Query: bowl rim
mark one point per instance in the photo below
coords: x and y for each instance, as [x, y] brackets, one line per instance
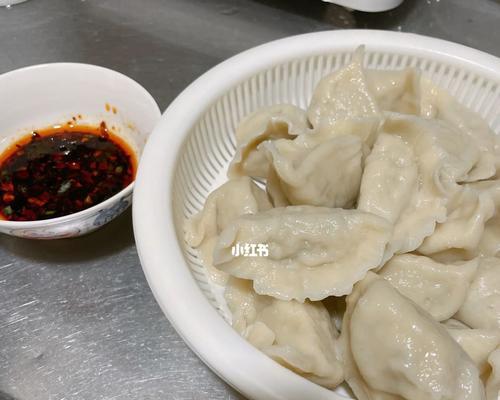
[162, 260]
[105, 203]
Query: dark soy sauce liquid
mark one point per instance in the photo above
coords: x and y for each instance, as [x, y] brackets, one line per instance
[62, 170]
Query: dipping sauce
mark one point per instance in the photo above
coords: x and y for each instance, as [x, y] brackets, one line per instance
[62, 170]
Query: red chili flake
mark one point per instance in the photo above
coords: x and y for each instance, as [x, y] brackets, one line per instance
[37, 202]
[74, 165]
[7, 186]
[8, 197]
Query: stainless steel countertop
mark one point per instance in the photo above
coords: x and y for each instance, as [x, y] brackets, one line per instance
[77, 318]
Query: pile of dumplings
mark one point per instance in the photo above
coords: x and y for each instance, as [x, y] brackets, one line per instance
[379, 205]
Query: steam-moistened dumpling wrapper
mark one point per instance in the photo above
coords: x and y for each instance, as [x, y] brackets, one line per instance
[389, 188]
[299, 336]
[305, 172]
[493, 382]
[394, 350]
[395, 91]
[389, 178]
[477, 343]
[343, 95]
[408, 92]
[472, 227]
[468, 212]
[444, 154]
[440, 289]
[270, 123]
[343, 99]
[410, 175]
[489, 243]
[231, 200]
[438, 104]
[481, 308]
[314, 252]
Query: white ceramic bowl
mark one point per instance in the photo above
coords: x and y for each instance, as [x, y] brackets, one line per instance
[187, 157]
[43, 95]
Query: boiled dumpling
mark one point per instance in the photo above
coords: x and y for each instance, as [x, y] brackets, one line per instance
[408, 92]
[234, 198]
[437, 144]
[270, 123]
[396, 91]
[314, 252]
[391, 164]
[489, 244]
[481, 308]
[342, 100]
[468, 212]
[299, 336]
[477, 343]
[437, 155]
[321, 174]
[389, 187]
[440, 289]
[437, 103]
[394, 350]
[493, 382]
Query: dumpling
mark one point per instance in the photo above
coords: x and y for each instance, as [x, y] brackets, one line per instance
[437, 155]
[396, 91]
[391, 164]
[269, 123]
[302, 167]
[324, 174]
[440, 289]
[438, 104]
[335, 110]
[489, 244]
[437, 145]
[314, 252]
[300, 336]
[408, 92]
[389, 187]
[231, 200]
[481, 308]
[477, 343]
[343, 100]
[468, 213]
[493, 382]
[394, 350]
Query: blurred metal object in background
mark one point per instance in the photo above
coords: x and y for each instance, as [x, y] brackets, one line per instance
[367, 5]
[8, 3]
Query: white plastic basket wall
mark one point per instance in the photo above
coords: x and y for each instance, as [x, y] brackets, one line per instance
[210, 146]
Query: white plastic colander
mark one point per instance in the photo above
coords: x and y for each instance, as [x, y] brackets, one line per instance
[187, 157]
